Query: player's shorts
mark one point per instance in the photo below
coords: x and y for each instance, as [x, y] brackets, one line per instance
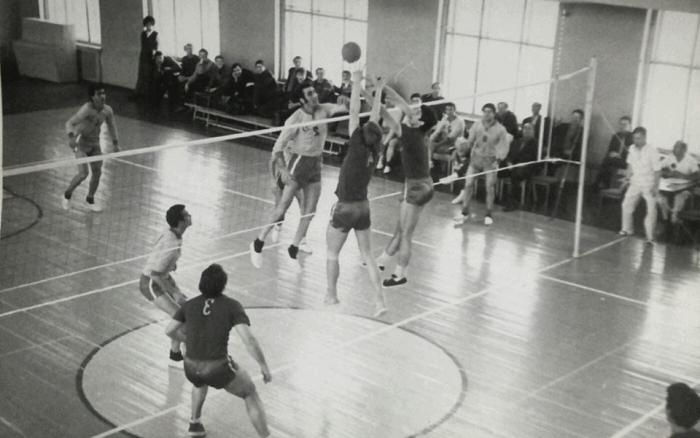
[482, 163]
[346, 216]
[150, 289]
[418, 191]
[88, 149]
[305, 170]
[215, 373]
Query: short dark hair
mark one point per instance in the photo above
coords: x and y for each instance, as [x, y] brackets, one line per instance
[414, 95]
[578, 111]
[213, 281]
[626, 118]
[299, 71]
[236, 64]
[296, 57]
[434, 84]
[158, 53]
[489, 105]
[260, 62]
[347, 72]
[640, 130]
[94, 88]
[451, 104]
[203, 50]
[218, 57]
[149, 20]
[299, 92]
[683, 405]
[174, 215]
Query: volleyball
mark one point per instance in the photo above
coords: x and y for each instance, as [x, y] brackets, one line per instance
[351, 52]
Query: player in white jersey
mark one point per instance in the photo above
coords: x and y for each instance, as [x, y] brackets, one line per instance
[83, 131]
[303, 169]
[156, 282]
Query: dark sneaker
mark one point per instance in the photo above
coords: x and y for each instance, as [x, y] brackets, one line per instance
[176, 356]
[394, 281]
[293, 251]
[196, 429]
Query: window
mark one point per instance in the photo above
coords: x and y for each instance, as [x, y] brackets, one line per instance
[179, 22]
[317, 29]
[672, 95]
[493, 45]
[84, 15]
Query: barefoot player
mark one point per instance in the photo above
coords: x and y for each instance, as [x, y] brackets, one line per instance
[352, 209]
[418, 188]
[83, 131]
[156, 283]
[303, 170]
[207, 321]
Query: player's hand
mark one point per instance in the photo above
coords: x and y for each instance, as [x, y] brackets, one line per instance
[267, 377]
[286, 176]
[380, 82]
[115, 145]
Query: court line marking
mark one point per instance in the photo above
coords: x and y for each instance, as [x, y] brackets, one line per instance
[359, 339]
[599, 291]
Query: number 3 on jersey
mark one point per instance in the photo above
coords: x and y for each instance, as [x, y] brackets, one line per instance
[206, 310]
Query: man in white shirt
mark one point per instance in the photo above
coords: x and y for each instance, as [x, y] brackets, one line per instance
[643, 174]
[679, 165]
[447, 131]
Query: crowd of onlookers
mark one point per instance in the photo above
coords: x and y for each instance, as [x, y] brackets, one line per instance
[238, 90]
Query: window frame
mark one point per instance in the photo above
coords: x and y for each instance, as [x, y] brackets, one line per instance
[94, 34]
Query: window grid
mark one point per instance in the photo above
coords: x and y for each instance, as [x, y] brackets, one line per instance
[452, 36]
[174, 30]
[79, 20]
[312, 60]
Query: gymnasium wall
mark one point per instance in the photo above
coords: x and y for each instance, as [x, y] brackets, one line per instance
[248, 31]
[11, 14]
[121, 25]
[614, 35]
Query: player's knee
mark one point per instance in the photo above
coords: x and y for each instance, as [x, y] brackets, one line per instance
[247, 388]
[96, 172]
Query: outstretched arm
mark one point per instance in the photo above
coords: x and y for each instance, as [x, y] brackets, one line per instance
[355, 103]
[254, 349]
[399, 101]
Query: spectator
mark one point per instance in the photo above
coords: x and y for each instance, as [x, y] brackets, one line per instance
[506, 118]
[433, 96]
[204, 73]
[221, 75]
[427, 114]
[522, 150]
[289, 85]
[298, 81]
[570, 149]
[237, 92]
[682, 410]
[460, 158]
[265, 91]
[164, 74]
[680, 164]
[189, 62]
[345, 88]
[536, 121]
[449, 129]
[617, 154]
[149, 46]
[324, 87]
[643, 173]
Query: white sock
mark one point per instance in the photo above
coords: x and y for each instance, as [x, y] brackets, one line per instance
[400, 271]
[383, 259]
[196, 420]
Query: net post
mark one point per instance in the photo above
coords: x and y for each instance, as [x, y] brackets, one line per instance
[590, 89]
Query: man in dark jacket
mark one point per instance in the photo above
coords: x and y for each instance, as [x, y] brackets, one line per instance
[264, 91]
[616, 157]
[506, 118]
[289, 85]
[237, 91]
[522, 150]
[163, 78]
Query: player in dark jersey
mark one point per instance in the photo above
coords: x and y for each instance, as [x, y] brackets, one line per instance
[207, 321]
[418, 187]
[352, 209]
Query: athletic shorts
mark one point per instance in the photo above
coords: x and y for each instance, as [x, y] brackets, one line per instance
[215, 373]
[86, 149]
[150, 289]
[482, 163]
[305, 170]
[418, 191]
[346, 216]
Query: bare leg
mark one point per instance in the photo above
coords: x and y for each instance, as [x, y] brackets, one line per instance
[409, 219]
[364, 242]
[82, 174]
[491, 180]
[198, 397]
[311, 194]
[335, 239]
[468, 190]
[280, 209]
[242, 386]
[96, 169]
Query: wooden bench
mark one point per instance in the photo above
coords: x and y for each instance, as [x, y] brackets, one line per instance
[245, 123]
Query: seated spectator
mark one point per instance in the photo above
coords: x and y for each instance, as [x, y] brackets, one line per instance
[291, 73]
[681, 165]
[237, 92]
[189, 63]
[616, 157]
[536, 121]
[204, 73]
[164, 78]
[297, 81]
[522, 150]
[264, 91]
[221, 77]
[568, 137]
[682, 410]
[433, 96]
[345, 85]
[324, 87]
[506, 118]
[460, 158]
[447, 131]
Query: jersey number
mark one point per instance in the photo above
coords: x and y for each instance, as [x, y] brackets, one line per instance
[207, 306]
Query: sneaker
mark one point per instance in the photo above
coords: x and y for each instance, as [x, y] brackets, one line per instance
[387, 169]
[459, 198]
[293, 251]
[196, 429]
[488, 220]
[304, 247]
[394, 281]
[460, 219]
[380, 163]
[94, 206]
[623, 233]
[256, 253]
[65, 203]
[649, 242]
[176, 356]
[275, 234]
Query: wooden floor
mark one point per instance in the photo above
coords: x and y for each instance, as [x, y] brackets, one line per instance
[498, 333]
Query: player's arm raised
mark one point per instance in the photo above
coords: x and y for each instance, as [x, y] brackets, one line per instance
[355, 103]
[253, 347]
